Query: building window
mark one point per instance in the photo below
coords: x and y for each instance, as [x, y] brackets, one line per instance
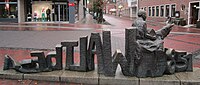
[153, 11]
[144, 8]
[157, 10]
[173, 9]
[134, 10]
[167, 11]
[182, 7]
[149, 11]
[161, 11]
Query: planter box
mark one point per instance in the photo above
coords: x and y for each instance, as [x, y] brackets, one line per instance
[180, 21]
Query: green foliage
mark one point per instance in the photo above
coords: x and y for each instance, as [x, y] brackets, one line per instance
[97, 8]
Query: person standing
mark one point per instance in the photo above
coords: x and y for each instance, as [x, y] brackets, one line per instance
[48, 12]
[35, 16]
[43, 14]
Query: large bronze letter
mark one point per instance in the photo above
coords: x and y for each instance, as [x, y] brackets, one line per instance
[41, 59]
[95, 40]
[83, 56]
[131, 48]
[69, 52]
[58, 56]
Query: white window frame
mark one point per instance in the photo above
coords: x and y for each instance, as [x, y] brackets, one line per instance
[171, 9]
[189, 10]
[163, 10]
[169, 14]
[149, 13]
[152, 11]
[158, 10]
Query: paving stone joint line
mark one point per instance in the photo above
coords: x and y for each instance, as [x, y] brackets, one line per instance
[183, 41]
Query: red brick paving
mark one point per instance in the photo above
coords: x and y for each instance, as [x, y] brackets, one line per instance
[17, 54]
[182, 46]
[184, 42]
[32, 82]
[20, 54]
[195, 39]
[10, 82]
[176, 28]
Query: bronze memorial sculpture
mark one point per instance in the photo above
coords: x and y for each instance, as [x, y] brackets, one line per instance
[145, 55]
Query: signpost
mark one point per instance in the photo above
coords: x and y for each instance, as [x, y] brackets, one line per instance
[71, 11]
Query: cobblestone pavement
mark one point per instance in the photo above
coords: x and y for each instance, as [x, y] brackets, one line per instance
[18, 40]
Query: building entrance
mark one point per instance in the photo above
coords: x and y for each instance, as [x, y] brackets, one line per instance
[46, 11]
[194, 12]
[60, 12]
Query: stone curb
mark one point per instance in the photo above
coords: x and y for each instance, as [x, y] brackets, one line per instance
[10, 74]
[92, 78]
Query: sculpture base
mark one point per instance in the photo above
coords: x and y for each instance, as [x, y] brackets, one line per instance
[182, 78]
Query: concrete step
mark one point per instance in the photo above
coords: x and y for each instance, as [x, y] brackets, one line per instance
[93, 78]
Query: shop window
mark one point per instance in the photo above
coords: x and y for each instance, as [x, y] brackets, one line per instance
[157, 10]
[173, 9]
[167, 11]
[8, 11]
[153, 11]
[149, 11]
[161, 11]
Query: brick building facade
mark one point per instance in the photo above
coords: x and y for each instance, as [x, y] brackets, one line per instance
[126, 8]
[110, 7]
[161, 9]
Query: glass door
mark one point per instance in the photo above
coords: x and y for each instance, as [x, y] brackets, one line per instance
[61, 12]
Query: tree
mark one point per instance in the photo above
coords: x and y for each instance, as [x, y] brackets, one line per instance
[98, 10]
